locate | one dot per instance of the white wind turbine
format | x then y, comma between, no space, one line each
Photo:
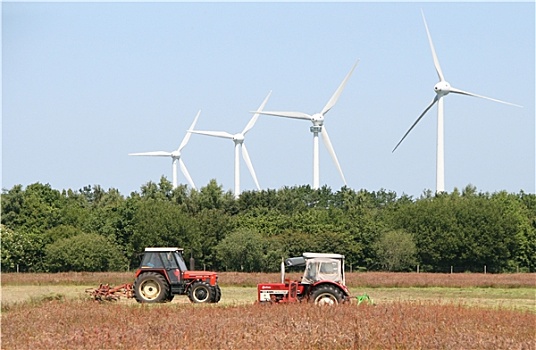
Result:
442,89
238,140
318,127
175,156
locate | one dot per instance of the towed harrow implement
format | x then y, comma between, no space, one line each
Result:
106,293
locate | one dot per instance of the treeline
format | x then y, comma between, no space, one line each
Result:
91,229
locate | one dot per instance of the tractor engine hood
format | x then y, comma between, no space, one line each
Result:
206,276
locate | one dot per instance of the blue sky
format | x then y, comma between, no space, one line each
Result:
84,84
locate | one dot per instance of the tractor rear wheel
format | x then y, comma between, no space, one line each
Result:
151,287
326,295
217,294
200,292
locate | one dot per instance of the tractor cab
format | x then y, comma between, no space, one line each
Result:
320,267
323,269
164,258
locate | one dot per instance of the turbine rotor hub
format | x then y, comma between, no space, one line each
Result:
238,138
442,88
317,119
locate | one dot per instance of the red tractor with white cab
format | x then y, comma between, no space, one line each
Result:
163,274
322,283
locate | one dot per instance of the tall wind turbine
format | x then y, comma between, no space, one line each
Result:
442,89
175,156
319,128
238,140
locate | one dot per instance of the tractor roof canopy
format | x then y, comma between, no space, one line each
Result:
322,255
164,249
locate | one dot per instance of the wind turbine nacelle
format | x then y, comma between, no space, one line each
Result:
316,128
442,88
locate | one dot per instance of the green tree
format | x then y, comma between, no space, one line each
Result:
211,227
21,251
157,223
242,250
396,251
59,232
34,210
85,252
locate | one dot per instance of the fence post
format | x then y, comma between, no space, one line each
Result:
484,269
417,268
451,269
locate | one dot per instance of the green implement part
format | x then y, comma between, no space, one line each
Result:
363,298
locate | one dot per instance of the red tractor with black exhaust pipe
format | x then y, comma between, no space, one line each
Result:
322,283
163,274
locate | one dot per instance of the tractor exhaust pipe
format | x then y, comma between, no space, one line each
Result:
282,270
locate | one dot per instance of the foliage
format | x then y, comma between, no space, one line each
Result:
466,230
21,251
242,250
84,252
396,251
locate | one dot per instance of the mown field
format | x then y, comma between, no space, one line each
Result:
410,311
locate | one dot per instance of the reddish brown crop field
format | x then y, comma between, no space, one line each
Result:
56,322
401,325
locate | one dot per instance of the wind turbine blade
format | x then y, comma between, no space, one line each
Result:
294,115
188,134
256,115
436,61
186,173
222,134
418,119
152,154
329,146
458,91
245,155
333,100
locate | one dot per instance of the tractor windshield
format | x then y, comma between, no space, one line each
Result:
322,269
180,261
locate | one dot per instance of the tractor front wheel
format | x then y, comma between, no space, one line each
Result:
326,295
151,287
200,292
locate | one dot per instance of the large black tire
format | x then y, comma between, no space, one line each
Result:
326,294
201,292
151,287
217,294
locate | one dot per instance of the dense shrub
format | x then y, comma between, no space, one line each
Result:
84,252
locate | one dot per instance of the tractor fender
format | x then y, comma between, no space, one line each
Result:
159,271
339,286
